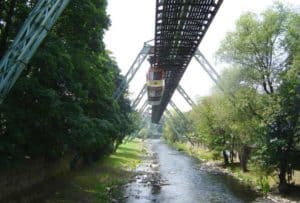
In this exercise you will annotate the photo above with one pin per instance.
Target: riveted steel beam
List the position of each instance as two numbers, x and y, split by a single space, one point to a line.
180 28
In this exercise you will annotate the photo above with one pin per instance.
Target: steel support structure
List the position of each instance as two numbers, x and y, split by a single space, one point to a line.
171 124
185 95
208 68
212 73
182 116
139 97
145 51
34 30
145 104
179 29
145 115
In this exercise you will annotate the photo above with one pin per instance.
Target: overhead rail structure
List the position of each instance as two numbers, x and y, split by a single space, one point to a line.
180 27
143 54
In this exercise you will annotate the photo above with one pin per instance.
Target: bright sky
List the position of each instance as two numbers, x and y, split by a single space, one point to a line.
133 24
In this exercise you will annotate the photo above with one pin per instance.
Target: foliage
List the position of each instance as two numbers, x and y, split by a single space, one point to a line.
258 113
62 103
100 182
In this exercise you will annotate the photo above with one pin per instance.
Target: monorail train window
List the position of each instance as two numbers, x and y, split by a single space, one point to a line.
155 74
153 93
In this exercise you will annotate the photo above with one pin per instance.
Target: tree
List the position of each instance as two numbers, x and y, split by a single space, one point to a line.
258 46
62 103
265 48
283 128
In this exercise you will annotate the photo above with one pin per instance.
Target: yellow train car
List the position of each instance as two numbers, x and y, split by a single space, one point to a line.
155 85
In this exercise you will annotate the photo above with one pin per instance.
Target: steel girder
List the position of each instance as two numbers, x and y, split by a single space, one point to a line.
212 73
208 68
145 115
180 27
171 123
145 51
183 117
145 104
185 96
139 97
40 20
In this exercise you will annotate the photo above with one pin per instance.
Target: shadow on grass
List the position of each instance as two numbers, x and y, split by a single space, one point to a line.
294 193
99 182
91 184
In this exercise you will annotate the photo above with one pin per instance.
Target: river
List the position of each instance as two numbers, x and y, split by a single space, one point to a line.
170 176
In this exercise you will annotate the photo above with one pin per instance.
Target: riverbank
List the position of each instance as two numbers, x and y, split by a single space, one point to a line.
100 182
167 175
255 178
103 181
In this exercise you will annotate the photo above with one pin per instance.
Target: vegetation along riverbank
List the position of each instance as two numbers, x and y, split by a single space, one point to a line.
100 182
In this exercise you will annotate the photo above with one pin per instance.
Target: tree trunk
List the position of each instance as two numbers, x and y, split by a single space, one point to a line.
231 156
283 186
226 162
232 150
244 156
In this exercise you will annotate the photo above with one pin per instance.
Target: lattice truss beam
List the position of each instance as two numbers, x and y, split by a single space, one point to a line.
185 95
180 27
34 30
143 54
170 123
146 114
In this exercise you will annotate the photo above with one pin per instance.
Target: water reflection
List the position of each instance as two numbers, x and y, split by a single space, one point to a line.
175 177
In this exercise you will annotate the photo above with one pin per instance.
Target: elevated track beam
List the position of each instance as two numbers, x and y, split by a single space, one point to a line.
180 27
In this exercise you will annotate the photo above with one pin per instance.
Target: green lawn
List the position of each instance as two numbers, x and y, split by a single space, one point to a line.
101 182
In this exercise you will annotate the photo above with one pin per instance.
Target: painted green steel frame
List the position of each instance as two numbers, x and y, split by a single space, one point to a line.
139 97
145 51
185 95
34 30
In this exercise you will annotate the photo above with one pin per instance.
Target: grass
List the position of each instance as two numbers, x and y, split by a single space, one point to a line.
255 177
197 152
102 181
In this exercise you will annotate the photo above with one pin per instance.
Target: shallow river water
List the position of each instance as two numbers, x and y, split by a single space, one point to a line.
169 176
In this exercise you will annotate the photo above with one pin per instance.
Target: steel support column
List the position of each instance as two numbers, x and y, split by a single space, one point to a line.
145 104
185 96
139 97
178 111
212 73
35 28
145 51
171 123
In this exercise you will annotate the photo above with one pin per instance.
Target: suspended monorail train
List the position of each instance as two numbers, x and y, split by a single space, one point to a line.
155 85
